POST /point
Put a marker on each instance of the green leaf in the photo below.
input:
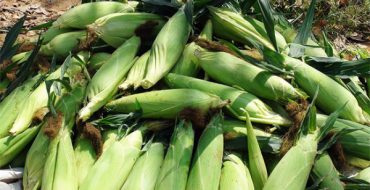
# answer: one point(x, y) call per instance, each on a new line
point(340, 68)
point(10, 39)
point(360, 95)
point(328, 47)
point(43, 25)
point(268, 21)
point(304, 32)
point(308, 124)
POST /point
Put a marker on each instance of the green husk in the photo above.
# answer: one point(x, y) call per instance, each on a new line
point(331, 94)
point(205, 171)
point(136, 73)
point(233, 71)
point(116, 28)
point(256, 162)
point(52, 32)
point(146, 169)
point(84, 14)
point(63, 43)
point(165, 103)
point(115, 164)
point(98, 59)
point(114, 70)
point(166, 50)
point(259, 111)
point(325, 172)
point(174, 171)
point(109, 136)
point(364, 175)
point(35, 161)
point(12, 105)
point(85, 157)
point(186, 65)
point(232, 26)
point(60, 170)
point(11, 146)
point(235, 175)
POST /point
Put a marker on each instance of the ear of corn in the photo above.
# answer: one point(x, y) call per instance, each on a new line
point(186, 65)
point(11, 146)
point(115, 164)
point(364, 175)
point(84, 14)
point(259, 111)
point(166, 50)
point(165, 103)
point(357, 162)
point(85, 157)
point(21, 57)
point(52, 32)
point(234, 128)
point(256, 162)
point(35, 161)
point(136, 73)
point(63, 43)
point(98, 59)
point(235, 175)
point(233, 71)
point(232, 26)
point(13, 104)
point(205, 171)
point(146, 169)
point(116, 28)
point(175, 168)
point(331, 95)
point(114, 70)
point(60, 171)
point(324, 170)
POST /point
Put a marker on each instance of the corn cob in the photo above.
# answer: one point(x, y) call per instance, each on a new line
point(364, 175)
point(256, 162)
point(294, 168)
point(233, 71)
point(186, 65)
point(232, 26)
point(84, 14)
point(174, 171)
point(10, 146)
point(146, 169)
point(35, 161)
point(60, 171)
point(205, 171)
point(331, 95)
point(357, 162)
point(324, 170)
point(259, 111)
point(114, 70)
point(38, 99)
point(98, 59)
point(115, 164)
point(235, 175)
point(234, 128)
point(63, 43)
point(166, 51)
point(52, 32)
point(12, 105)
point(85, 157)
point(165, 103)
point(116, 28)
point(136, 73)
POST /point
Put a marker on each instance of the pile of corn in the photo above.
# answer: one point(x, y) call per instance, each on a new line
point(167, 108)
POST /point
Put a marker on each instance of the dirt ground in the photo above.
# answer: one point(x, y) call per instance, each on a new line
point(37, 12)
